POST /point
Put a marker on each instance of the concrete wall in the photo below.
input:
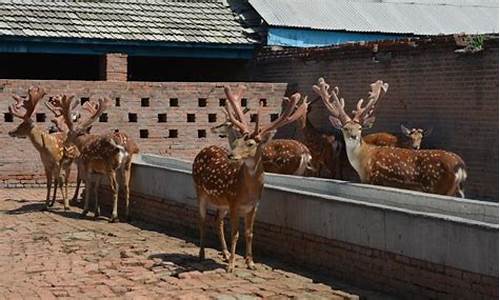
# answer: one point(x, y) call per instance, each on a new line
point(20, 163)
point(430, 86)
point(408, 243)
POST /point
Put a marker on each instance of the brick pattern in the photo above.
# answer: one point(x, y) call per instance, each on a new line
point(430, 86)
point(49, 255)
point(361, 266)
point(147, 104)
point(116, 66)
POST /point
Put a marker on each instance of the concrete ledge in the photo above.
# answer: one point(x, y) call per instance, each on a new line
point(442, 230)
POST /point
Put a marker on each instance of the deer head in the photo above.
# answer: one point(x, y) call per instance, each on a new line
point(247, 145)
point(415, 135)
point(362, 117)
point(24, 108)
point(69, 121)
point(225, 128)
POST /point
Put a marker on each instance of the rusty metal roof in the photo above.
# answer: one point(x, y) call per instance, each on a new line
point(420, 17)
point(180, 21)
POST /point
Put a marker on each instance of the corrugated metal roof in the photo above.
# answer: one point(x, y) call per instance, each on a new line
point(420, 17)
point(195, 21)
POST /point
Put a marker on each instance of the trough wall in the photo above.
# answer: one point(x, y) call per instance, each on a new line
point(437, 250)
point(431, 86)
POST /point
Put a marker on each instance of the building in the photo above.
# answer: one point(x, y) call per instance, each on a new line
point(311, 23)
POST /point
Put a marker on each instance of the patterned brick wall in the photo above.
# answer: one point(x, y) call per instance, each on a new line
point(366, 267)
point(430, 86)
point(171, 119)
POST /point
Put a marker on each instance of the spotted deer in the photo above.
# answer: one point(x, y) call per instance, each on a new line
point(282, 156)
point(233, 180)
point(107, 155)
point(327, 150)
point(55, 157)
point(432, 171)
point(408, 138)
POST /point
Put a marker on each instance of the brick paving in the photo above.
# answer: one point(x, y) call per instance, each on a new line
point(47, 255)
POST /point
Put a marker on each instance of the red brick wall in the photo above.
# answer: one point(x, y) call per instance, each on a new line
point(365, 267)
point(20, 163)
point(430, 86)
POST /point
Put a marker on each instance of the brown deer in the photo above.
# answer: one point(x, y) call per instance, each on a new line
point(408, 138)
point(281, 156)
point(55, 157)
point(101, 155)
point(327, 150)
point(432, 171)
point(233, 181)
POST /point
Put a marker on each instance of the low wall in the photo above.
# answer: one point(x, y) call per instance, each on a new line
point(406, 243)
point(187, 109)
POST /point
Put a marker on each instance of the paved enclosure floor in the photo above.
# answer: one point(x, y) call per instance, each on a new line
point(55, 254)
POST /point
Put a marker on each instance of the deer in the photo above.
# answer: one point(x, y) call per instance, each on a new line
point(233, 180)
point(281, 156)
point(431, 171)
point(54, 155)
point(327, 150)
point(408, 138)
point(107, 155)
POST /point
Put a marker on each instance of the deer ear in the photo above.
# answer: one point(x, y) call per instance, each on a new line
point(335, 122)
point(368, 122)
point(428, 131)
point(267, 137)
point(404, 130)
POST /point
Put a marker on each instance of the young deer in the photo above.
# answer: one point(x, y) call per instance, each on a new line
point(326, 149)
point(432, 171)
point(109, 154)
point(49, 145)
point(408, 138)
point(282, 156)
point(233, 181)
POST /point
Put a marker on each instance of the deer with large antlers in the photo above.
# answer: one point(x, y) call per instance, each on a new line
point(107, 155)
point(55, 157)
point(233, 181)
point(432, 171)
point(326, 149)
point(410, 138)
point(281, 156)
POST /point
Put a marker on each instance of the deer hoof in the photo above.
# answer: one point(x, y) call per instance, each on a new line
point(202, 254)
point(230, 268)
point(251, 265)
point(66, 208)
point(113, 220)
point(225, 255)
point(84, 213)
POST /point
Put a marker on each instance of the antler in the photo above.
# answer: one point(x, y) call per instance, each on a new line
point(290, 114)
point(236, 114)
point(95, 109)
point(364, 114)
point(29, 105)
point(62, 106)
point(331, 100)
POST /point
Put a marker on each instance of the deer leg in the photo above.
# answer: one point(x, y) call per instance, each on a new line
point(78, 181)
point(48, 175)
point(67, 172)
point(249, 221)
point(126, 189)
point(97, 208)
point(202, 208)
point(221, 214)
point(56, 185)
point(234, 236)
point(88, 185)
point(114, 189)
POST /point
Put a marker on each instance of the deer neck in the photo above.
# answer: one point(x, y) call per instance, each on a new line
point(358, 155)
point(232, 135)
point(82, 140)
point(310, 133)
point(41, 139)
